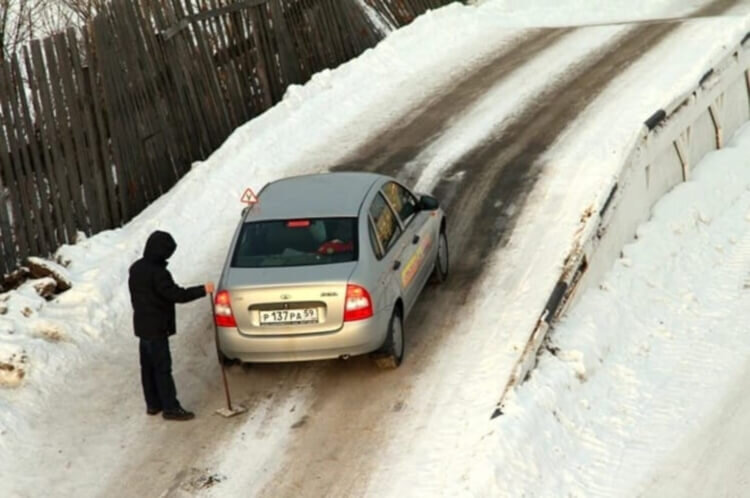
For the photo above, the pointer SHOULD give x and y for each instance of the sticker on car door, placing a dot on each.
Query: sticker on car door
(411, 268)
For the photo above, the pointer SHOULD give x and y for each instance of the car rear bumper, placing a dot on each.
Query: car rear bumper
(354, 338)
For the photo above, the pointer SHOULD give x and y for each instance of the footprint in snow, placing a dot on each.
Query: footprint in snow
(50, 332)
(301, 422)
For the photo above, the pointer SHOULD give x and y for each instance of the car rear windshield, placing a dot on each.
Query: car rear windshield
(299, 242)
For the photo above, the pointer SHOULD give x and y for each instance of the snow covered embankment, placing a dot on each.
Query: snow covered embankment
(672, 140)
(643, 387)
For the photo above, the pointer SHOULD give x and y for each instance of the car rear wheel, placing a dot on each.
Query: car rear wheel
(442, 262)
(392, 353)
(223, 359)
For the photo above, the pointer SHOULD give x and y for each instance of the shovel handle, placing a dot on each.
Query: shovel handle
(226, 388)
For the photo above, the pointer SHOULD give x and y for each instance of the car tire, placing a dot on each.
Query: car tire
(392, 352)
(442, 261)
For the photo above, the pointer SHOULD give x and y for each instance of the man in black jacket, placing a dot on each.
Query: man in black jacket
(154, 293)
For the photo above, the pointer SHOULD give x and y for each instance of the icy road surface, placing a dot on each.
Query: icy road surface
(512, 128)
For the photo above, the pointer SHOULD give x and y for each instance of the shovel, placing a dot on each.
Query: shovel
(229, 410)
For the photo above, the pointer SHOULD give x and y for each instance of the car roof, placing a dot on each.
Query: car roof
(320, 195)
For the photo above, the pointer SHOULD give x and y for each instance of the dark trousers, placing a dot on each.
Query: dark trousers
(156, 374)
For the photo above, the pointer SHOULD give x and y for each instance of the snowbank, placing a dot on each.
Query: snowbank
(646, 360)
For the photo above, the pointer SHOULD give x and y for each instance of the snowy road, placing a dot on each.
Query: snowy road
(339, 428)
(353, 410)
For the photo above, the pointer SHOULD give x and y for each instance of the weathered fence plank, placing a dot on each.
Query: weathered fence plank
(15, 174)
(99, 133)
(132, 90)
(120, 154)
(9, 202)
(35, 174)
(201, 62)
(42, 156)
(7, 245)
(79, 166)
(89, 136)
(63, 128)
(50, 139)
(157, 170)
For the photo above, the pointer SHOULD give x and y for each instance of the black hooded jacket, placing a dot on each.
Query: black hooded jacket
(153, 291)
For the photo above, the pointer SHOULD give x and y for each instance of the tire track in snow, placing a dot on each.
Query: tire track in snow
(389, 151)
(509, 167)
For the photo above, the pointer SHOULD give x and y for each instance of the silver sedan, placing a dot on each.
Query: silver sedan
(328, 266)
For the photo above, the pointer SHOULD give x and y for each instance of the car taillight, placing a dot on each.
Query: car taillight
(223, 310)
(358, 304)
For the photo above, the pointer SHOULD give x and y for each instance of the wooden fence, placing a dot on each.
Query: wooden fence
(97, 123)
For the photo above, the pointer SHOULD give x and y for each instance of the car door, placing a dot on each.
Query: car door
(427, 228)
(389, 244)
(418, 239)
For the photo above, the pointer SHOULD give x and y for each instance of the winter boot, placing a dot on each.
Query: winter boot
(178, 414)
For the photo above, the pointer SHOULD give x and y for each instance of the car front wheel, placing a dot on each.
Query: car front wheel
(442, 262)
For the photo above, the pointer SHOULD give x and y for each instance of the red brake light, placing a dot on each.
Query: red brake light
(223, 310)
(358, 305)
(298, 223)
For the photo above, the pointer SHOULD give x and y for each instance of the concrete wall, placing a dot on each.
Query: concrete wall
(693, 125)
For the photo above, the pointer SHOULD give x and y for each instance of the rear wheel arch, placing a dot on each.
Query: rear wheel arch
(391, 353)
(399, 306)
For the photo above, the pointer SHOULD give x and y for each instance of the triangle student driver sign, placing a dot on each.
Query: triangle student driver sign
(249, 197)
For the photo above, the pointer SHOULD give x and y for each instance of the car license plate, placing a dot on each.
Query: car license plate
(283, 317)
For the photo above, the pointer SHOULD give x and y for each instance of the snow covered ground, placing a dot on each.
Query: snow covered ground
(77, 353)
(644, 388)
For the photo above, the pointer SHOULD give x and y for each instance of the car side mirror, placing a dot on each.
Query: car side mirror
(428, 203)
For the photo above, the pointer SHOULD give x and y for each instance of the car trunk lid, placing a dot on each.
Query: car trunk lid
(289, 300)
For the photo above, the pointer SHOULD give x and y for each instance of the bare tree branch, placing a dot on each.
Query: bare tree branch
(83, 10)
(20, 21)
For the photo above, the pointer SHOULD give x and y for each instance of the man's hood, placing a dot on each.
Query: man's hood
(159, 247)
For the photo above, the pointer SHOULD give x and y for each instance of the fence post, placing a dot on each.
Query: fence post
(714, 110)
(7, 247)
(287, 56)
(680, 146)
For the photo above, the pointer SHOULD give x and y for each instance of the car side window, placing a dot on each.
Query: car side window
(402, 201)
(386, 227)
(376, 248)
